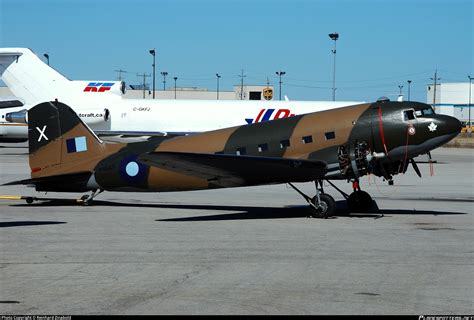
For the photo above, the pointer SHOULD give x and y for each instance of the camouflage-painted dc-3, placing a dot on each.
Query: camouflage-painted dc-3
(380, 138)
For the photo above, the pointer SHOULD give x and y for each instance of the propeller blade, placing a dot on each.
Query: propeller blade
(415, 166)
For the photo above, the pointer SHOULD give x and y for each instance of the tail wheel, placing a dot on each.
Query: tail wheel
(360, 201)
(86, 200)
(326, 207)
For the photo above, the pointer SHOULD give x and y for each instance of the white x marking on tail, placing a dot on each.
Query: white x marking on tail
(41, 131)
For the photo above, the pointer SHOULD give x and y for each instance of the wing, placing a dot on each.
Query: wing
(233, 170)
(136, 136)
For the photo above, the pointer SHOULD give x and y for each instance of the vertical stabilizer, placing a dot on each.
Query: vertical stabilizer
(59, 142)
(30, 78)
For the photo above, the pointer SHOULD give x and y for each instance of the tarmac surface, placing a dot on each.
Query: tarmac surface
(242, 251)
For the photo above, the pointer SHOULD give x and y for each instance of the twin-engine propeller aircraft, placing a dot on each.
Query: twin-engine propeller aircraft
(380, 138)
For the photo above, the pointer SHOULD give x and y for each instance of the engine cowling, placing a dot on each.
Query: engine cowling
(89, 116)
(94, 116)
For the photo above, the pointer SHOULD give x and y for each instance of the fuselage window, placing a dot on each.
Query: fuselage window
(307, 139)
(263, 147)
(284, 143)
(241, 151)
(409, 115)
(330, 135)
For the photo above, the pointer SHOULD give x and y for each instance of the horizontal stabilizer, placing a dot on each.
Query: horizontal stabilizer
(225, 170)
(64, 182)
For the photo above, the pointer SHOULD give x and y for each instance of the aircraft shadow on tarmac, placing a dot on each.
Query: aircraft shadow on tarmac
(28, 223)
(244, 212)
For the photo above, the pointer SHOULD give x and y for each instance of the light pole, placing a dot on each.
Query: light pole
(217, 76)
(469, 119)
(400, 87)
(409, 84)
(47, 57)
(334, 36)
(435, 79)
(164, 74)
(175, 78)
(280, 73)
(152, 52)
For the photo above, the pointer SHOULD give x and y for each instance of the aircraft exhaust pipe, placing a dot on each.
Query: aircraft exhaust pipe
(17, 117)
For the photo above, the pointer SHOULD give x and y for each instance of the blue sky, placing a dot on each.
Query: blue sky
(382, 43)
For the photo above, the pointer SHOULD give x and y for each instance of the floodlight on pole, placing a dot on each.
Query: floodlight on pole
(400, 87)
(164, 74)
(334, 36)
(152, 52)
(175, 78)
(409, 84)
(469, 119)
(217, 76)
(280, 73)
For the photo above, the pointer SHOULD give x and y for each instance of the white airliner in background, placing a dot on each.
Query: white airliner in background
(102, 106)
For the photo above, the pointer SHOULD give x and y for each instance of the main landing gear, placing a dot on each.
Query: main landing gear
(86, 200)
(359, 201)
(323, 205)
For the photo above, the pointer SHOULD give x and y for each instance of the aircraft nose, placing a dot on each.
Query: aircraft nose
(452, 124)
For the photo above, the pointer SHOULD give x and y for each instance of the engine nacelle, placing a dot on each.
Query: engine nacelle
(89, 116)
(94, 116)
(17, 116)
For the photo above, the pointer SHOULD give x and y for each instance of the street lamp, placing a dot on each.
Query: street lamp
(409, 84)
(47, 57)
(152, 52)
(280, 73)
(175, 78)
(469, 121)
(334, 36)
(217, 76)
(164, 74)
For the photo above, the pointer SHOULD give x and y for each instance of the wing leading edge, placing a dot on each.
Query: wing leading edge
(223, 170)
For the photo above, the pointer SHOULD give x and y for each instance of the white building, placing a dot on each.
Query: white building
(452, 99)
(249, 92)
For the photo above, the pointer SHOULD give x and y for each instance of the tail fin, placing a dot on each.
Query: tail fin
(30, 78)
(59, 142)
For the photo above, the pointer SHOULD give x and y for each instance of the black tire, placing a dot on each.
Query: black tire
(328, 206)
(29, 200)
(360, 201)
(85, 201)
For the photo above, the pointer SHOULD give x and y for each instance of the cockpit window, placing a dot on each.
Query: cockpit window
(424, 112)
(409, 115)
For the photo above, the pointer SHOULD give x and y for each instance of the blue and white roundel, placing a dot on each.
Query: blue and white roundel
(132, 168)
(132, 171)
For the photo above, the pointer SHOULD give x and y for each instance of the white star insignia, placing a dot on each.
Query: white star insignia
(432, 126)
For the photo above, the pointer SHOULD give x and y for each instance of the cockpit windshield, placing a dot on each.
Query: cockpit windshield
(424, 112)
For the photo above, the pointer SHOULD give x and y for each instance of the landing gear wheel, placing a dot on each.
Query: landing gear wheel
(326, 208)
(360, 201)
(85, 200)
